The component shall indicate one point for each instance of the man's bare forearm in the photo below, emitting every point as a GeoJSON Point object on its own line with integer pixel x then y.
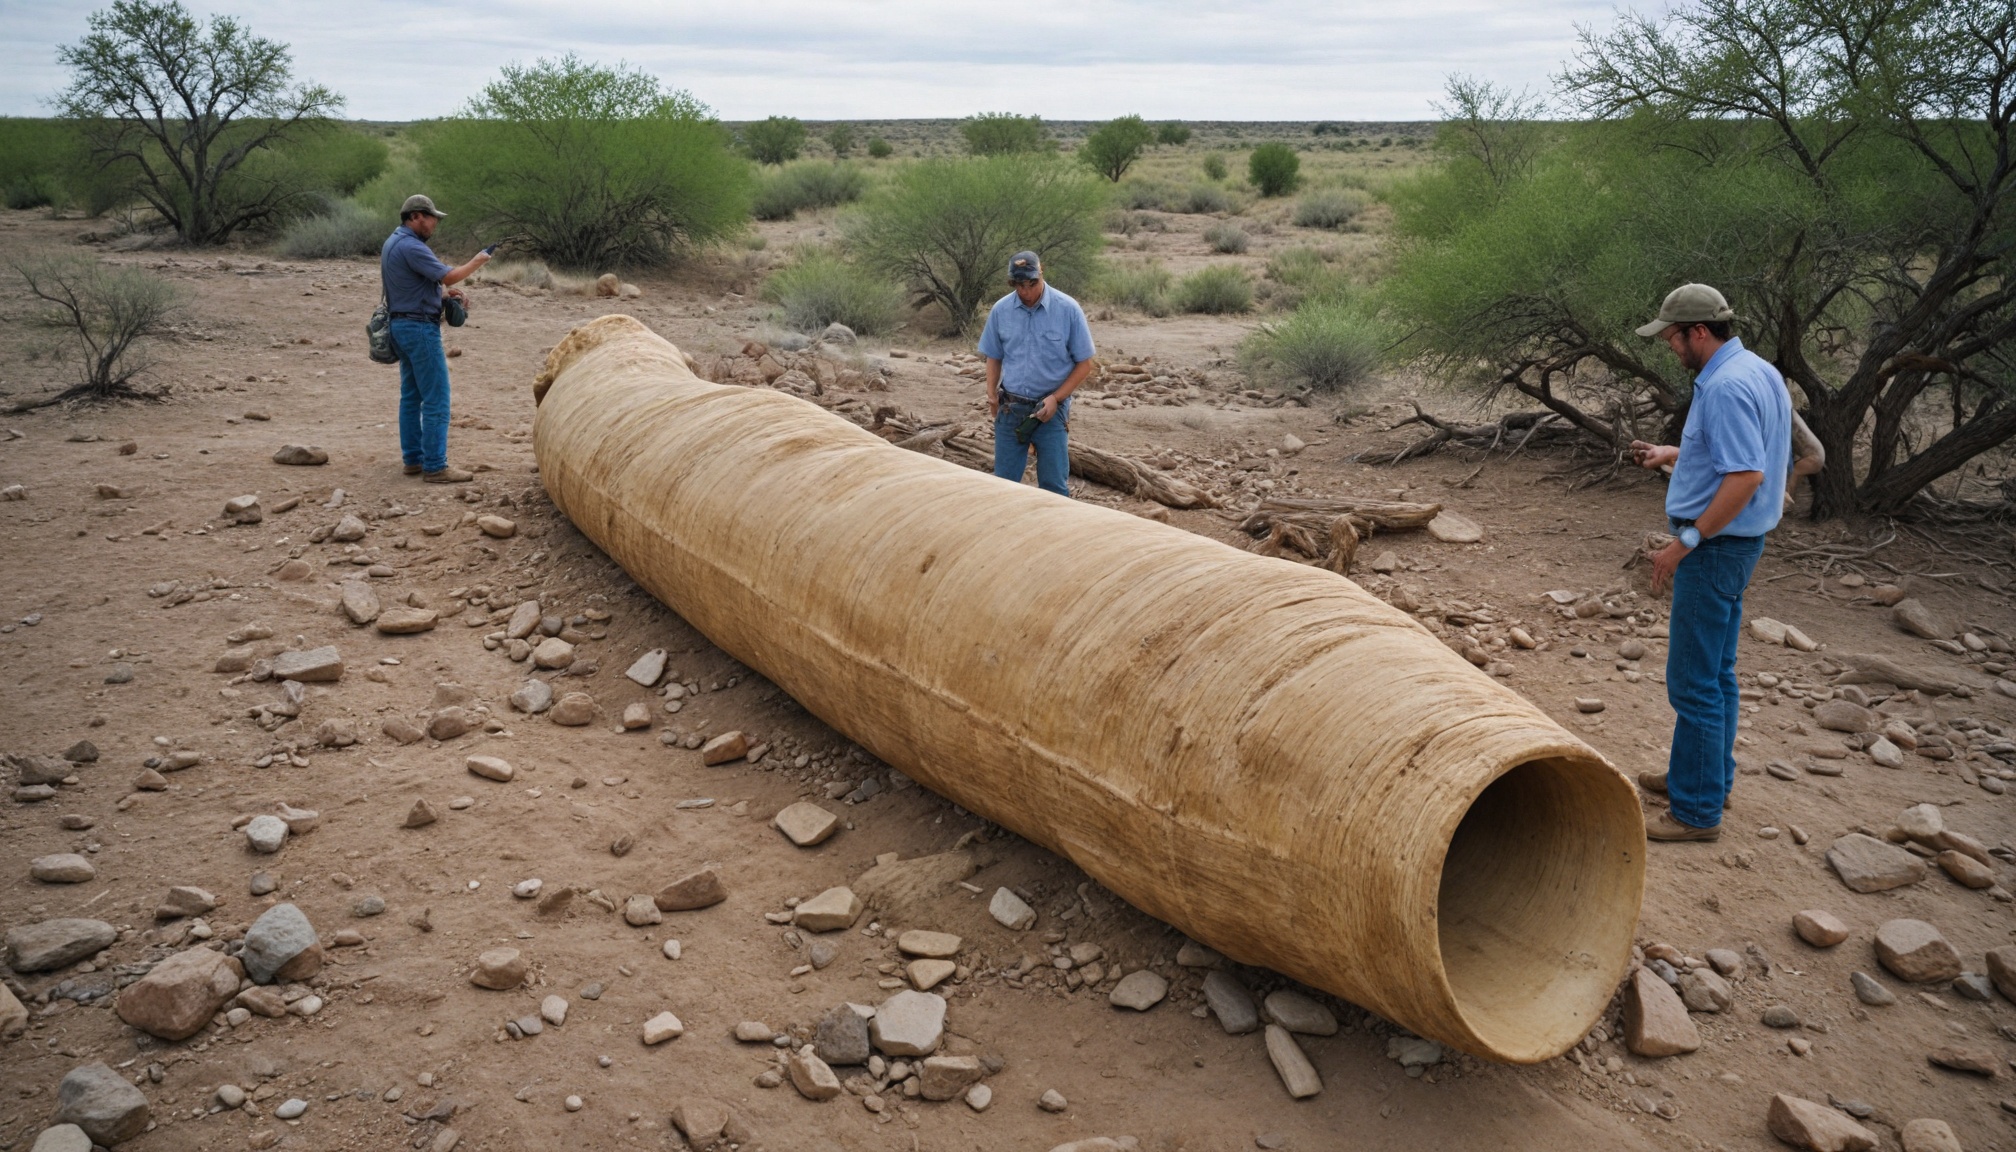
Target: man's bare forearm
{"type": "Point", "coordinates": [1734, 493]}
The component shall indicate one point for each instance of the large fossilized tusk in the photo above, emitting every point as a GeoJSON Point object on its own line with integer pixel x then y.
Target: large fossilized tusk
{"type": "Point", "coordinates": [1256, 751]}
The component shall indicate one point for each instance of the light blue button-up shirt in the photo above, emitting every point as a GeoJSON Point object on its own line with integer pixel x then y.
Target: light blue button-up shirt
{"type": "Point", "coordinates": [1037, 346]}
{"type": "Point", "coordinates": [1740, 421]}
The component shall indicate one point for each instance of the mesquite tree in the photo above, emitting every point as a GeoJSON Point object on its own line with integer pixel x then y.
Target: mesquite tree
{"type": "Point", "coordinates": [187, 106]}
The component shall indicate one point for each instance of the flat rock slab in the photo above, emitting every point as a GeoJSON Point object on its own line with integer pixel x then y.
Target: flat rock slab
{"type": "Point", "coordinates": [62, 868]}
{"type": "Point", "coordinates": [406, 621]}
{"type": "Point", "coordinates": [649, 668]}
{"type": "Point", "coordinates": [1455, 528]}
{"type": "Point", "coordinates": [1804, 1124]}
{"type": "Point", "coordinates": [806, 824]}
{"type": "Point", "coordinates": [662, 1027]}
{"type": "Point", "coordinates": [699, 889]}
{"type": "Point", "coordinates": [62, 1138]}
{"type": "Point", "coordinates": [500, 969]}
{"type": "Point", "coordinates": [1914, 617]}
{"type": "Point", "coordinates": [1298, 1013]}
{"type": "Point", "coordinates": [1297, 1074]}
{"type": "Point", "coordinates": [49, 944]}
{"type": "Point", "coordinates": [1231, 1003]}
{"type": "Point", "coordinates": [1011, 911]}
{"type": "Point", "coordinates": [314, 666]}
{"type": "Point", "coordinates": [360, 602]}
{"type": "Point", "coordinates": [1867, 864]}
{"type": "Point", "coordinates": [945, 1077]}
{"type": "Point", "coordinates": [490, 767]}
{"type": "Point", "coordinates": [908, 1024]}
{"type": "Point", "coordinates": [934, 945]}
{"type": "Point", "coordinates": [726, 748]}
{"type": "Point", "coordinates": [1820, 928]}
{"type": "Point", "coordinates": [1916, 951]}
{"type": "Point", "coordinates": [832, 909]}
{"type": "Point", "coordinates": [1140, 990]}
{"type": "Point", "coordinates": [1655, 1020]}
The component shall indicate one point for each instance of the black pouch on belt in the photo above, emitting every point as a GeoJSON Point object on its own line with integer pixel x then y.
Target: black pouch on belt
{"type": "Point", "coordinates": [1026, 430]}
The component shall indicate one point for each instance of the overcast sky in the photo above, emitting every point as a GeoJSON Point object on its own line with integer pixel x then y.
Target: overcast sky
{"type": "Point", "coordinates": [870, 59]}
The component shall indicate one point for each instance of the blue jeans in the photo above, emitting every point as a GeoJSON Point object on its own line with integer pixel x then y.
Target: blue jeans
{"type": "Point", "coordinates": [1701, 675]}
{"type": "Point", "coordinates": [1053, 453]}
{"type": "Point", "coordinates": [423, 394]}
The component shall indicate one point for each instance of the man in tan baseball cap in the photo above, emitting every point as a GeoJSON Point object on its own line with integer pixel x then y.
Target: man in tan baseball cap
{"type": "Point", "coordinates": [1727, 491]}
{"type": "Point", "coordinates": [415, 282]}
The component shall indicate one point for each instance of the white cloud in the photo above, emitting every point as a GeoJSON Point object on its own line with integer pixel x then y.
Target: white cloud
{"type": "Point", "coordinates": [1266, 60]}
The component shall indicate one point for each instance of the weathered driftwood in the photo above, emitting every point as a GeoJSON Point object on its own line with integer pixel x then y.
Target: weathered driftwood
{"type": "Point", "coordinates": [1512, 432]}
{"type": "Point", "coordinates": [1259, 753]}
{"type": "Point", "coordinates": [1871, 669]}
{"type": "Point", "coordinates": [1317, 513]}
{"type": "Point", "coordinates": [1121, 473]}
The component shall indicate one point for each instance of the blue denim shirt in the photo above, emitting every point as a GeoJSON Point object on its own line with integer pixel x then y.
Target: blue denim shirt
{"type": "Point", "coordinates": [1037, 346]}
{"type": "Point", "coordinates": [1740, 421]}
{"type": "Point", "coordinates": [411, 273]}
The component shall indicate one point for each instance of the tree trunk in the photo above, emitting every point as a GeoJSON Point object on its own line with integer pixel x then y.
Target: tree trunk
{"type": "Point", "coordinates": [1889, 491]}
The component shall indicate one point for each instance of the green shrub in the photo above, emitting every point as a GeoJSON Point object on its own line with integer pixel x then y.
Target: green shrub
{"type": "Point", "coordinates": [1327, 344]}
{"type": "Point", "coordinates": [1005, 133]}
{"type": "Point", "coordinates": [1113, 147]}
{"type": "Point", "coordinates": [819, 288]}
{"type": "Point", "coordinates": [790, 190]}
{"type": "Point", "coordinates": [879, 148]}
{"type": "Point", "coordinates": [1206, 198]}
{"type": "Point", "coordinates": [401, 177]}
{"type": "Point", "coordinates": [774, 140]}
{"type": "Point", "coordinates": [840, 138]}
{"type": "Point", "coordinates": [344, 230]}
{"type": "Point", "coordinates": [33, 155]}
{"type": "Point", "coordinates": [1149, 194]}
{"type": "Point", "coordinates": [1214, 167]}
{"type": "Point", "coordinates": [1305, 274]}
{"type": "Point", "coordinates": [1215, 290]}
{"type": "Point", "coordinates": [946, 227]}
{"type": "Point", "coordinates": [1144, 287]}
{"type": "Point", "coordinates": [1273, 168]}
{"type": "Point", "coordinates": [1173, 132]}
{"type": "Point", "coordinates": [1330, 207]}
{"type": "Point", "coordinates": [1226, 237]}
{"type": "Point", "coordinates": [588, 167]}
{"type": "Point", "coordinates": [107, 315]}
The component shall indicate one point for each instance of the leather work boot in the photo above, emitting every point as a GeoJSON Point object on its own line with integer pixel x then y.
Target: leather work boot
{"type": "Point", "coordinates": [1665, 827]}
{"type": "Point", "coordinates": [448, 476]}
{"type": "Point", "coordinates": [1652, 782]}
{"type": "Point", "coordinates": [412, 469]}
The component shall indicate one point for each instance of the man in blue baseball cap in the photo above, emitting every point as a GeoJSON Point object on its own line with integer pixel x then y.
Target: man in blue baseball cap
{"type": "Point", "coordinates": [1038, 349]}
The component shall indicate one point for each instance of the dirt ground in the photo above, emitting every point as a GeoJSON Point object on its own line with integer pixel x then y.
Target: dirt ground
{"type": "Point", "coordinates": [124, 558]}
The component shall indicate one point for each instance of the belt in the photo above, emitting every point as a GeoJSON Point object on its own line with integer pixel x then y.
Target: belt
{"type": "Point", "coordinates": [430, 317]}
{"type": "Point", "coordinates": [1681, 523]}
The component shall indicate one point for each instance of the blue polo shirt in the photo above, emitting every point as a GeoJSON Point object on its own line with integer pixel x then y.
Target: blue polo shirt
{"type": "Point", "coordinates": [1740, 421]}
{"type": "Point", "coordinates": [1037, 346]}
{"type": "Point", "coordinates": [411, 273]}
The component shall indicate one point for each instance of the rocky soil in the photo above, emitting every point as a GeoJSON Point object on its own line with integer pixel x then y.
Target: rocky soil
{"type": "Point", "coordinates": [345, 811]}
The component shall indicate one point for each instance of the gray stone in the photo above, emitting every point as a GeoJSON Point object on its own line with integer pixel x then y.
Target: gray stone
{"type": "Point", "coordinates": [349, 529]}
{"type": "Point", "coordinates": [933, 945]}
{"type": "Point", "coordinates": [821, 953]}
{"type": "Point", "coordinates": [1804, 1124]}
{"type": "Point", "coordinates": [1871, 991]}
{"type": "Point", "coordinates": [648, 668]}
{"type": "Point", "coordinates": [832, 909]}
{"type": "Point", "coordinates": [1867, 864]}
{"type": "Point", "coordinates": [266, 834]}
{"type": "Point", "coordinates": [407, 621]}
{"type": "Point", "coordinates": [1298, 1013]}
{"type": "Point", "coordinates": [1414, 1051]}
{"type": "Point", "coordinates": [490, 767]}
{"type": "Point", "coordinates": [62, 868]}
{"type": "Point", "coordinates": [1820, 928]}
{"type": "Point", "coordinates": [1229, 1000]}
{"type": "Point", "coordinates": [811, 1076]}
{"type": "Point", "coordinates": [701, 889]}
{"type": "Point", "coordinates": [41, 769]}
{"type": "Point", "coordinates": [1140, 990]}
{"type": "Point", "coordinates": [842, 1037]}
{"type": "Point", "coordinates": [1655, 1019]}
{"type": "Point", "coordinates": [101, 1102]}
{"type": "Point", "coordinates": [1914, 617]}
{"type": "Point", "coordinates": [314, 666]}
{"type": "Point", "coordinates": [49, 944]}
{"type": "Point", "coordinates": [301, 455]}
{"type": "Point", "coordinates": [1297, 1074]}
{"type": "Point", "coordinates": [524, 619]}
{"type": "Point", "coordinates": [840, 334]}
{"type": "Point", "coordinates": [360, 602]}
{"type": "Point", "coordinates": [291, 1109]}
{"type": "Point", "coordinates": [450, 722]}
{"type": "Point", "coordinates": [1780, 1016]}
{"type": "Point", "coordinates": [62, 1138]}
{"type": "Point", "coordinates": [908, 1024]}
{"type": "Point", "coordinates": [553, 652]}
{"type": "Point", "coordinates": [1923, 823]}
{"type": "Point", "coordinates": [1973, 986]}
{"type": "Point", "coordinates": [13, 1014]}
{"type": "Point", "coordinates": [281, 945]}
{"type": "Point", "coordinates": [501, 969]}
{"type": "Point", "coordinates": [1839, 715]}
{"type": "Point", "coordinates": [640, 911]}
{"type": "Point", "coordinates": [806, 824]}
{"type": "Point", "coordinates": [1011, 911]}
{"type": "Point", "coordinates": [2002, 971]}
{"type": "Point", "coordinates": [945, 1077]}
{"type": "Point", "coordinates": [573, 710]}
{"type": "Point", "coordinates": [1705, 991]}
{"type": "Point", "coordinates": [533, 697]}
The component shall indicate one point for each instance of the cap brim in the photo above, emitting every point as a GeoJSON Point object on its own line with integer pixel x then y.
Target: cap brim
{"type": "Point", "coordinates": [1654, 328]}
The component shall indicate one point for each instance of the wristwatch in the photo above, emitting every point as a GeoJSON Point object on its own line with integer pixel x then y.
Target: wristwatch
{"type": "Point", "coordinates": [1691, 537]}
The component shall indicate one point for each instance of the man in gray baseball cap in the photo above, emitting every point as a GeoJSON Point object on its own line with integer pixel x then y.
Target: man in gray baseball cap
{"type": "Point", "coordinates": [415, 282]}
{"type": "Point", "coordinates": [1727, 491]}
{"type": "Point", "coordinates": [1038, 349]}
